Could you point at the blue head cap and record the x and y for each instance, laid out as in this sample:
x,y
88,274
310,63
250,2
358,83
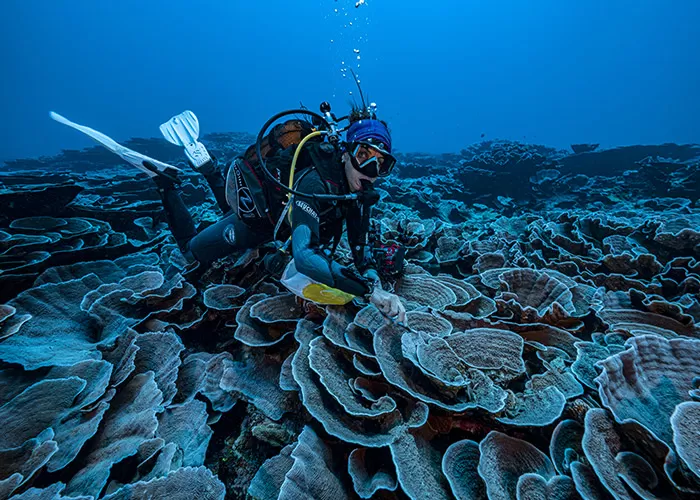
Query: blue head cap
x,y
372,132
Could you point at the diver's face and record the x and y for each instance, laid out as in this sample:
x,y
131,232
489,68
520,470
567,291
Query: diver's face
x,y
355,177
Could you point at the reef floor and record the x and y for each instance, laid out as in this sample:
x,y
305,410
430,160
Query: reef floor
x,y
551,350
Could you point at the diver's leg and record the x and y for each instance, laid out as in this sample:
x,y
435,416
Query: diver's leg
x,y
215,178
226,236
183,130
176,212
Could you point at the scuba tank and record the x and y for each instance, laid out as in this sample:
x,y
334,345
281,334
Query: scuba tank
x,y
247,192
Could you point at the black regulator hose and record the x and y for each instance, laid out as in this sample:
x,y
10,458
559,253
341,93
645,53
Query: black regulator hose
x,y
258,149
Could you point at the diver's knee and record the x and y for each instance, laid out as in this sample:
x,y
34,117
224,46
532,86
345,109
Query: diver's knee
x,y
216,241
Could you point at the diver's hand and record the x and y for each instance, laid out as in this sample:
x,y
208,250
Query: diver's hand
x,y
388,304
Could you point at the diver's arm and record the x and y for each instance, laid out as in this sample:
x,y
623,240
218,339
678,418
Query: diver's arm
x,y
357,239
313,263
388,304
310,259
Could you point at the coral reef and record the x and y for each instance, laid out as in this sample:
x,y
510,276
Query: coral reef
x,y
551,348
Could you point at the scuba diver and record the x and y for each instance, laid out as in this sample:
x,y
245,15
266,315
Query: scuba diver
x,y
329,183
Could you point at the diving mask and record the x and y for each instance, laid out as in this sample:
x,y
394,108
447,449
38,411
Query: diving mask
x,y
372,160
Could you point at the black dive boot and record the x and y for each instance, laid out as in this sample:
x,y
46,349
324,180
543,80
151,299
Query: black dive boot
x,y
176,212
215,178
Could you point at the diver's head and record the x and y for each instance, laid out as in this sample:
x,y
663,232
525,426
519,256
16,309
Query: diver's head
x,y
367,152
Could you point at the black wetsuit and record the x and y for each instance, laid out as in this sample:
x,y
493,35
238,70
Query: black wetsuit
x,y
315,229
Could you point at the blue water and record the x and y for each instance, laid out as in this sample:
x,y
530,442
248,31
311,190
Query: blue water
x,y
443,73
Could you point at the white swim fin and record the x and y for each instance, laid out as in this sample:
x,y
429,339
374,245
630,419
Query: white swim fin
x,y
183,130
149,166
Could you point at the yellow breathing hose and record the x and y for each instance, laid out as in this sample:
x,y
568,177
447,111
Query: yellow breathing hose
x,y
294,165
288,209
296,155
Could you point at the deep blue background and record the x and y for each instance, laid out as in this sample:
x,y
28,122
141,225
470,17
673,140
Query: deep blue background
x,y
443,71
